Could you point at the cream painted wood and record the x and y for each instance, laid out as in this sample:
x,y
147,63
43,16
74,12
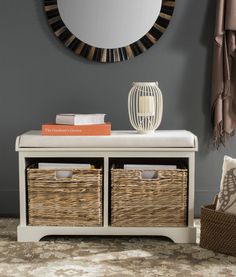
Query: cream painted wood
x,y
105,191
191,188
22,191
177,234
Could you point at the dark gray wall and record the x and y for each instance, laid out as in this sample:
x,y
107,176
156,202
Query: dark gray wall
x,y
40,78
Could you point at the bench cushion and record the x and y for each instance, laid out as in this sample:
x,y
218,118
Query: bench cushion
x,y
121,139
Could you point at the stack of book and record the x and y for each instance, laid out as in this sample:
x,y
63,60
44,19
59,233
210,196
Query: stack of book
x,y
78,125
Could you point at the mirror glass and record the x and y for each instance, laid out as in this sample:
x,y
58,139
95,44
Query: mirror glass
x,y
109,23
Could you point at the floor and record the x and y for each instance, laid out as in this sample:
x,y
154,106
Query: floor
x,y
110,256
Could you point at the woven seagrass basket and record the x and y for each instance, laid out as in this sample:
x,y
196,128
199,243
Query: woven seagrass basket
x,y
218,230
137,202
74,201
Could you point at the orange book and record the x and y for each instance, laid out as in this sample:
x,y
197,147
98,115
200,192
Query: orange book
x,y
76,130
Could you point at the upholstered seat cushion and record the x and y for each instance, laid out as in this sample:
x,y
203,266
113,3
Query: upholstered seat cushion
x,y
121,139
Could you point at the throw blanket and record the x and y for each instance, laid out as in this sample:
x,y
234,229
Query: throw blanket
x,y
223,103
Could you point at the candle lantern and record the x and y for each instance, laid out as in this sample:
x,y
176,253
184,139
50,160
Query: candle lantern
x,y
145,105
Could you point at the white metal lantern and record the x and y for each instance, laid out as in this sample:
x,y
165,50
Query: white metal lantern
x,y
145,106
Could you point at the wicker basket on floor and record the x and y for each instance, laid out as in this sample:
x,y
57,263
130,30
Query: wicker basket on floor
x,y
75,201
137,202
218,230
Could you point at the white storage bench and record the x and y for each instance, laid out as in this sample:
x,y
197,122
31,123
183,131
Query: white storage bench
x,y
174,147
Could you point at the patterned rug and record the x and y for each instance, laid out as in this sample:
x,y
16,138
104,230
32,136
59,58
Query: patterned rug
x,y
109,256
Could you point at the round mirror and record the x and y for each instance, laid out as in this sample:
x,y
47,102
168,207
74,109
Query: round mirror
x,y
109,30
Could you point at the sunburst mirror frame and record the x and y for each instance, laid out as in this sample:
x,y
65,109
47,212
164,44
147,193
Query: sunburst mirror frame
x,y
107,55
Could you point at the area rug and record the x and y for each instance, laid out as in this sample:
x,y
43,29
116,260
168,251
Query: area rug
x,y
107,256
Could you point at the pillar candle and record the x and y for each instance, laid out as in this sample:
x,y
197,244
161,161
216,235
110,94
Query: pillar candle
x,y
146,105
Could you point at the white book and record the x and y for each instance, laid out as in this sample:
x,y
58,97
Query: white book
x,y
80,119
149,166
63,166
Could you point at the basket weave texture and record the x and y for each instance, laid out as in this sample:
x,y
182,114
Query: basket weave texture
x,y
218,230
137,202
75,201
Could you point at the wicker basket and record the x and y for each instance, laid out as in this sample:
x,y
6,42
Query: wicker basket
x,y
75,201
137,202
218,230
